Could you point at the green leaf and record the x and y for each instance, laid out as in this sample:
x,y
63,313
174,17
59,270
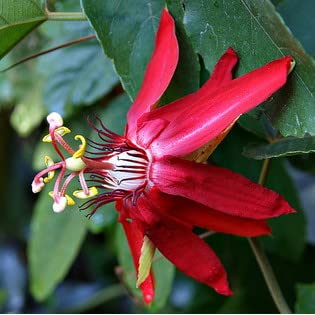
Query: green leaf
x,y
255,30
305,303
126,30
164,272
54,243
78,76
17,19
283,147
28,113
260,127
288,238
126,262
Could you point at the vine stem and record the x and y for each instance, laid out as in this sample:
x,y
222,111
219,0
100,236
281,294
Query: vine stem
x,y
263,262
66,16
44,52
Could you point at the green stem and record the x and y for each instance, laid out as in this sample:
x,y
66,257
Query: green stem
x,y
44,52
269,276
263,261
66,16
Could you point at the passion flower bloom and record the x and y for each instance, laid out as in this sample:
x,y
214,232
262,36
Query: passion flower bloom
x,y
160,194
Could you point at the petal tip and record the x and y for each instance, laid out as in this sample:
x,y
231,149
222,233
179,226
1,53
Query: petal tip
x,y
284,207
148,298
223,288
231,51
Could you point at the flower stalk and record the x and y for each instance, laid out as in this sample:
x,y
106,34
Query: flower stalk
x,y
263,262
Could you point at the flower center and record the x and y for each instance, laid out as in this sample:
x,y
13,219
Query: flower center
x,y
129,172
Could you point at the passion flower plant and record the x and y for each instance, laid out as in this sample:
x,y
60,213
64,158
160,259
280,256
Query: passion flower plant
x,y
160,194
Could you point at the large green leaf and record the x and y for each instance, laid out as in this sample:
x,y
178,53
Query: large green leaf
x,y
126,30
17,19
284,147
258,34
54,243
305,303
80,76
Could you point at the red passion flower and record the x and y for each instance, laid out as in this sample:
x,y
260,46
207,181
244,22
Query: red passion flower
x,y
159,193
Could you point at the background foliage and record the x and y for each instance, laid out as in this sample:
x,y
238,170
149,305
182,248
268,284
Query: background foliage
x,y
66,263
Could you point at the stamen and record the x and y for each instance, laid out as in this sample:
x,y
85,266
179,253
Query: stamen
x,y
79,153
70,201
38,182
60,131
66,183
49,162
92,191
83,183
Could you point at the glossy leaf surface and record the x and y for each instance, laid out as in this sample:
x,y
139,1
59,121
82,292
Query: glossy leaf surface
x,y
18,18
283,147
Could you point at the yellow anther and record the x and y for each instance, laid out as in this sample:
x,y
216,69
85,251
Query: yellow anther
x,y
61,131
70,201
51,194
79,153
51,174
82,195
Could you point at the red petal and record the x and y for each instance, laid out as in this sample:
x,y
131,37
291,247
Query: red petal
x,y
199,215
217,188
207,118
158,73
222,74
135,236
189,254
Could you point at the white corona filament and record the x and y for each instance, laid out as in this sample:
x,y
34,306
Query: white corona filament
x,y
129,171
